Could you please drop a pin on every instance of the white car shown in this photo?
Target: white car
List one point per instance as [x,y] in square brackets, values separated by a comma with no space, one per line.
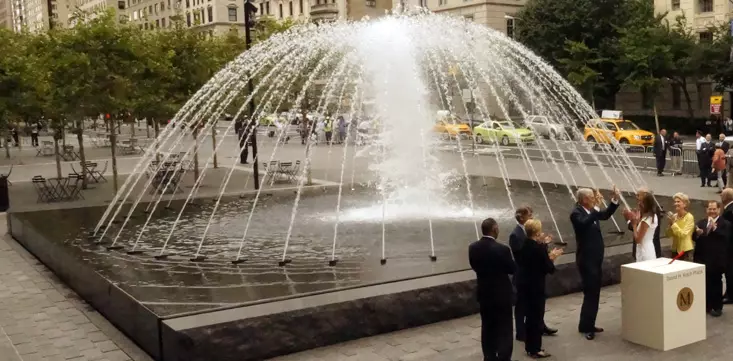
[545,127]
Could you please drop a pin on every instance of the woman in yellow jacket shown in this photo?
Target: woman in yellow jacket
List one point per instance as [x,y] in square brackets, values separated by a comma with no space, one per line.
[682,225]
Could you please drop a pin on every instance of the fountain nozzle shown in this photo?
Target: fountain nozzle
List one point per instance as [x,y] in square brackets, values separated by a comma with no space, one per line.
[433,258]
[161,256]
[134,252]
[239,260]
[112,248]
[383,261]
[283,263]
[198,259]
[333,262]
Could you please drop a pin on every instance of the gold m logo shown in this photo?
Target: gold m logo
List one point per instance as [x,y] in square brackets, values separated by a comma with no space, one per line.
[685,298]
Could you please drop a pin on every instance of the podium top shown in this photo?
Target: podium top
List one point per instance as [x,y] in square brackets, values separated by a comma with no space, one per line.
[662,266]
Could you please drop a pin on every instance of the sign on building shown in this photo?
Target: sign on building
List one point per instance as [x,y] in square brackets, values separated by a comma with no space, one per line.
[716,102]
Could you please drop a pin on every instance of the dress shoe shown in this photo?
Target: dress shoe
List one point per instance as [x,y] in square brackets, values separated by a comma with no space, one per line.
[590,336]
[716,313]
[598,330]
[549,331]
[541,354]
[728,301]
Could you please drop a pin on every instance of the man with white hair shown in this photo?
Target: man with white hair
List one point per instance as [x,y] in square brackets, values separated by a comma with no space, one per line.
[586,219]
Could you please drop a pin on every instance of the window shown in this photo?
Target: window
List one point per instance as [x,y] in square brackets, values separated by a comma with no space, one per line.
[162,6]
[146,26]
[156,8]
[281,10]
[267,8]
[706,36]
[262,8]
[675,4]
[510,28]
[120,5]
[188,19]
[676,101]
[301,6]
[210,12]
[290,8]
[162,22]
[370,3]
[188,4]
[442,2]
[704,6]
[157,23]
[468,17]
[232,14]
[134,15]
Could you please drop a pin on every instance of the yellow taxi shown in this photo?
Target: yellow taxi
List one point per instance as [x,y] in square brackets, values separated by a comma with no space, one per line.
[612,125]
[450,126]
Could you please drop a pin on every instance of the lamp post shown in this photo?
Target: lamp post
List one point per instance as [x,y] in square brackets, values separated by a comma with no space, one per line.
[249,11]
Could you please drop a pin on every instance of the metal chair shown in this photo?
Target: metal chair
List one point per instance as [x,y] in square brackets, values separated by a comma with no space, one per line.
[44,193]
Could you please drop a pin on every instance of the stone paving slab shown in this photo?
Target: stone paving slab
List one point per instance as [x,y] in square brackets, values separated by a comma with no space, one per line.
[41,319]
[459,340]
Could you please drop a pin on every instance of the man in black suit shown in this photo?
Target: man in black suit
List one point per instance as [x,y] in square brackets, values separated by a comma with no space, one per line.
[660,214]
[516,242]
[493,263]
[712,238]
[660,151]
[726,198]
[245,128]
[589,254]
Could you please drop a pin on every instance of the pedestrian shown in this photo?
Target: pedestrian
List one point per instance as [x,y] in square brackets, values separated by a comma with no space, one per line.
[712,238]
[681,228]
[675,153]
[719,167]
[16,136]
[660,151]
[34,134]
[589,254]
[536,263]
[705,160]
[342,129]
[493,264]
[328,129]
[245,130]
[728,126]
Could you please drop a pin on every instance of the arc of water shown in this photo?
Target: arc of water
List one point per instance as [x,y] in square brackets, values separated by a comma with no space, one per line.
[231,171]
[356,99]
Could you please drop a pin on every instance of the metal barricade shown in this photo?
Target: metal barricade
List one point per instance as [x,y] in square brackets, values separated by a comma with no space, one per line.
[675,157]
[690,162]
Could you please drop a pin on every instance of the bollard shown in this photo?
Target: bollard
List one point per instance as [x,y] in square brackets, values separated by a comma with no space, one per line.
[4,194]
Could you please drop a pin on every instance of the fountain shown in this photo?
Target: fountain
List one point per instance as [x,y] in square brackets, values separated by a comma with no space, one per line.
[216,270]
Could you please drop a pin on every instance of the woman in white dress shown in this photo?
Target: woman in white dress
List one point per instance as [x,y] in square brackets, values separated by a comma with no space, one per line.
[644,225]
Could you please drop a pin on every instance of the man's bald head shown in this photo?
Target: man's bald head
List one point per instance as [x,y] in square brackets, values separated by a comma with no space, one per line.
[726,196]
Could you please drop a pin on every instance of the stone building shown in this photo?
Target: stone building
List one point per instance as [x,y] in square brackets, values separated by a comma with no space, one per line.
[496,14]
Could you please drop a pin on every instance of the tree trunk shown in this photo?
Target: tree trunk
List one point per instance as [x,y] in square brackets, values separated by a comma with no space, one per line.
[6,144]
[156,128]
[656,116]
[196,153]
[82,156]
[213,145]
[690,111]
[119,126]
[147,128]
[57,154]
[132,130]
[113,146]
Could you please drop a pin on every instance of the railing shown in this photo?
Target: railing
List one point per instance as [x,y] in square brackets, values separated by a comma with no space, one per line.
[680,161]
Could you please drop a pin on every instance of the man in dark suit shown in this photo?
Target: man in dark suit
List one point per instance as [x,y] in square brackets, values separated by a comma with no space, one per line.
[712,238]
[493,264]
[245,128]
[726,198]
[660,214]
[516,242]
[660,151]
[589,254]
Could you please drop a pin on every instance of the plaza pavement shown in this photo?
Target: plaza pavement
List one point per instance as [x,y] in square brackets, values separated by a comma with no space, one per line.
[41,319]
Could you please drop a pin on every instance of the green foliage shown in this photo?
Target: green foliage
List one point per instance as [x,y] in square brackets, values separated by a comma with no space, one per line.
[579,67]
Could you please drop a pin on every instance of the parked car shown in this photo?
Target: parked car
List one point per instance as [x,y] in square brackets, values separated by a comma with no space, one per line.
[544,126]
[504,131]
[624,131]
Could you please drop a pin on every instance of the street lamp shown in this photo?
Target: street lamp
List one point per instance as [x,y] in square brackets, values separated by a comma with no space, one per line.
[249,11]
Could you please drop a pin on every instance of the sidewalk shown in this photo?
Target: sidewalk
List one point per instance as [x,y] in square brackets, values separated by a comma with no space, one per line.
[459,340]
[41,319]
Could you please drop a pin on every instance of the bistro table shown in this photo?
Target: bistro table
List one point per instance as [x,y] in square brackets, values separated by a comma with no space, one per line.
[58,188]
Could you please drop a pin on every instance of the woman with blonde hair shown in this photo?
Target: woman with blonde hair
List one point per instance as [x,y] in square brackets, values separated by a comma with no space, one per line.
[682,225]
[536,263]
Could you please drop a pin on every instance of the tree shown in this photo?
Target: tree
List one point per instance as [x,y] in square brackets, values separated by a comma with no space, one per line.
[688,58]
[546,25]
[646,60]
[578,67]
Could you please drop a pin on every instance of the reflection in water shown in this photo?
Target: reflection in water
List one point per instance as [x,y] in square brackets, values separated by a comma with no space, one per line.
[177,285]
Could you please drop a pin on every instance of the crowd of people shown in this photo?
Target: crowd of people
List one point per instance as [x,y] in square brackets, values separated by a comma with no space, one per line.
[514,276]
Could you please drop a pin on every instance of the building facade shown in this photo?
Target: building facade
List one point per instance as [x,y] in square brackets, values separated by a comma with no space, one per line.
[673,99]
[6,14]
[496,14]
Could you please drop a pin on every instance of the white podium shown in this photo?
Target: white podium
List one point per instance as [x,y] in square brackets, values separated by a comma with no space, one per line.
[663,305]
